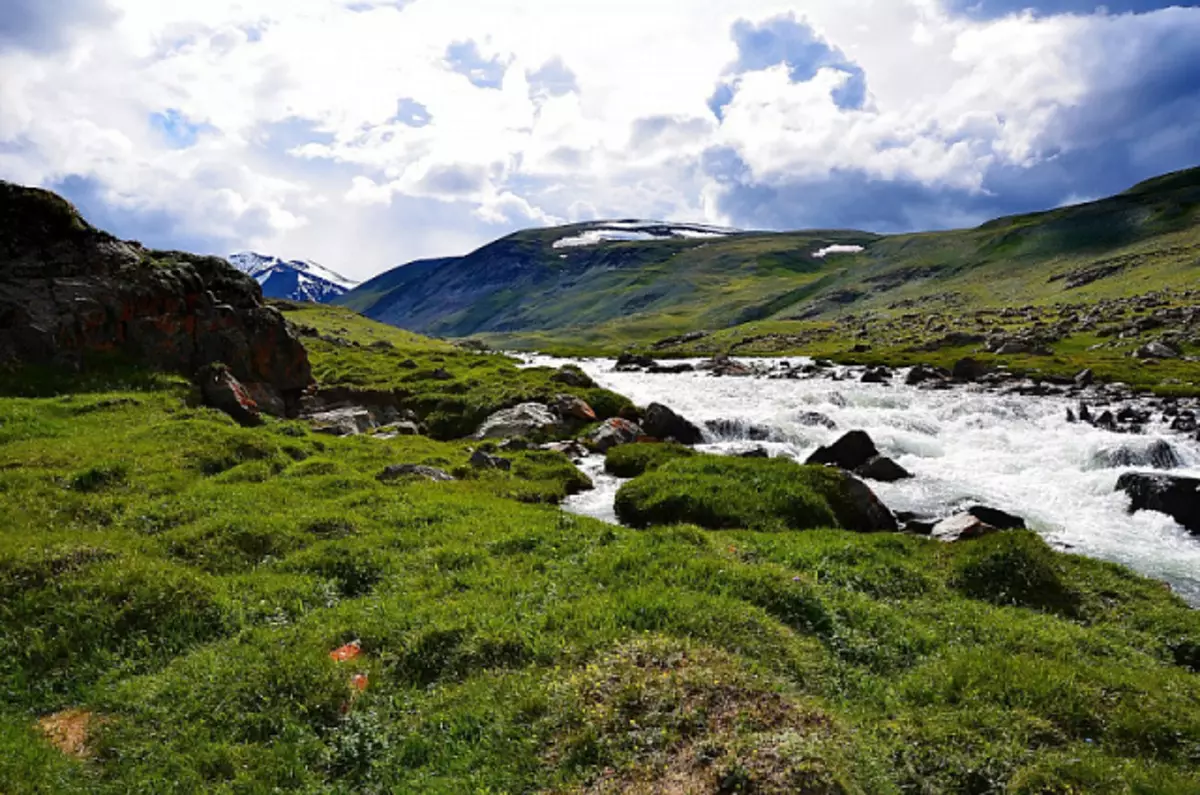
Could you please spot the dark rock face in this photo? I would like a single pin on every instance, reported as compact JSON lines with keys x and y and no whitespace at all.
{"x":1177,"y":497}
{"x":993,"y":517}
{"x":868,"y":514}
{"x":69,"y":291}
{"x":219,"y":389}
{"x":882,"y":469}
{"x":969,"y":369}
{"x":814,"y":419}
{"x":850,"y":452}
{"x":923,"y":372}
{"x":663,"y":423}
{"x":737,"y":429}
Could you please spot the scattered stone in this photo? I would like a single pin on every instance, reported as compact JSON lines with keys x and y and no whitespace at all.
{"x":757,"y":452}
{"x":1177,"y":497}
{"x":1157,"y":350}
{"x":483,"y":460}
{"x":526,"y":419}
{"x":962,"y":527}
{"x":969,"y":369}
{"x":663,"y":423}
{"x":1158,"y":454}
{"x":398,"y":429}
{"x":924,"y":372}
{"x":815,"y":419}
{"x":1085,"y":379}
{"x":220,"y":390}
{"x":571,"y":449}
{"x":614,"y":432}
{"x":573,"y":376}
{"x":670,"y":369}
{"x":570,"y":407}
{"x":350,"y":421}
{"x":634,"y":361}
{"x":394,"y":473}
{"x":882,"y":469}
{"x":849,"y":452}
{"x":869,"y":514}
{"x":997,"y":518}
{"x":876,"y":375}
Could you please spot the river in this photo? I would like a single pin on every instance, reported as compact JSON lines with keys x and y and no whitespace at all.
{"x":964,"y":445}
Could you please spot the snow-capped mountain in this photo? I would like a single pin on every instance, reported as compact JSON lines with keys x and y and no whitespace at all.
{"x":295,"y":280}
{"x":632,"y":230}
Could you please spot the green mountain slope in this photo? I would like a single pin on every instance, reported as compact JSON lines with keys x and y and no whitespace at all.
{"x":522,"y":289}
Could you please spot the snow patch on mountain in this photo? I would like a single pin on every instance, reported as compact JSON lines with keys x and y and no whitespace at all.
{"x":293,"y":280}
{"x":825,"y":252}
{"x":627,"y":231}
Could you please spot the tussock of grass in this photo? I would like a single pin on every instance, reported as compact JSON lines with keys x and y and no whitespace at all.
{"x":632,"y":460}
{"x":718,"y":492}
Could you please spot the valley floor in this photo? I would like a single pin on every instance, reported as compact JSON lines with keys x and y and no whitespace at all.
{"x":172,"y":587}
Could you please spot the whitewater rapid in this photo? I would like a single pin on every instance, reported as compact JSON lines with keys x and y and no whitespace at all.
{"x":965,"y":445}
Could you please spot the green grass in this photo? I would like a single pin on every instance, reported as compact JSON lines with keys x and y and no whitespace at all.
{"x":183,"y":580}
{"x":719,"y":492}
{"x":632,"y":460}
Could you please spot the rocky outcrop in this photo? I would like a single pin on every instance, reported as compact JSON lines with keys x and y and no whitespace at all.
{"x":882,"y":469}
{"x":865,"y":512}
{"x":527,"y":419}
{"x":613,"y":433}
{"x":1177,"y":497}
{"x":70,"y":293}
{"x":849,"y":452}
{"x":1158,"y":454}
{"x":484,"y":460}
{"x":663,"y":423}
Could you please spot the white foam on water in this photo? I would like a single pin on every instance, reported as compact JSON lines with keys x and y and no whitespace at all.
{"x":965,"y":445}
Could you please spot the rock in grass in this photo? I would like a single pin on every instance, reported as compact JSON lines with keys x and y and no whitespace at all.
{"x":571,"y":375}
{"x":483,"y":460}
{"x":614,"y":432}
{"x":527,"y":419}
{"x":220,"y":390}
{"x":962,"y":527}
{"x":343,"y":422}
{"x":882,"y":469}
{"x":1177,"y":497}
{"x":573,"y":409}
{"x":774,"y":494}
{"x":997,"y":518}
{"x":399,"y":471}
{"x":850,"y":452}
{"x":663,"y":423}
{"x":1157,"y":350}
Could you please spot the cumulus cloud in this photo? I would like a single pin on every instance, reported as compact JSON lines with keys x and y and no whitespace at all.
{"x":362,"y":133}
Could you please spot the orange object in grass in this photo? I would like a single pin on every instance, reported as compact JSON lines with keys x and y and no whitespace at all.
{"x":359,"y":682}
{"x":347,"y":652}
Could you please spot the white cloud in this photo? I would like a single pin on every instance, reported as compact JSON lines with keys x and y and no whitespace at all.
{"x":616,"y":121}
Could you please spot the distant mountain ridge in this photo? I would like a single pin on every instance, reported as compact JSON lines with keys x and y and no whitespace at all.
{"x":614,"y":282}
{"x":293,"y":280}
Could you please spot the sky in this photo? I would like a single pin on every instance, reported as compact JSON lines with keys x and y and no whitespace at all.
{"x":367,"y":133}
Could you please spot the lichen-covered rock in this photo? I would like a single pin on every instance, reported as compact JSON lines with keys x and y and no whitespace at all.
{"x":663,"y":423}
{"x":614,"y":432}
{"x":69,"y":291}
{"x":399,"y":471}
{"x":220,"y":390}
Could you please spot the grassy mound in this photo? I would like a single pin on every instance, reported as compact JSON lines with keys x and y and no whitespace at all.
{"x":719,"y":492}
{"x":632,"y":460}
{"x":172,"y":586}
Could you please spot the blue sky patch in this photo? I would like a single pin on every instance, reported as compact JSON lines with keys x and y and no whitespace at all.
{"x":176,"y":129}
{"x":993,"y":9}
{"x":464,"y":58}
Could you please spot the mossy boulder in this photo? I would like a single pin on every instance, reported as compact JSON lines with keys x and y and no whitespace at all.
{"x":776,"y":494}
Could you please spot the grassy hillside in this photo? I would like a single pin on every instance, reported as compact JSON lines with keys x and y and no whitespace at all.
{"x":172,"y":587}
{"x":521,"y":291}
